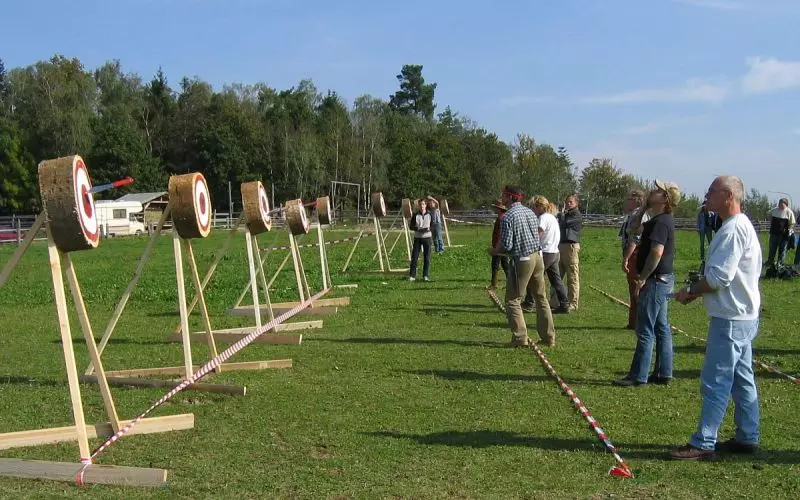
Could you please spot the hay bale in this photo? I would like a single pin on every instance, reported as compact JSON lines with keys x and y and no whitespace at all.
{"x":256,"y":207}
{"x":378,"y":205}
{"x":190,"y":204}
{"x":324,"y":211}
{"x":296,"y":217}
{"x":408,"y":211}
{"x":66,"y":196}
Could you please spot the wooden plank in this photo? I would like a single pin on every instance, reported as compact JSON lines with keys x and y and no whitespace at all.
{"x":348,"y":285}
{"x":263,"y":281}
{"x":66,"y":344}
{"x":102,"y":430}
{"x":308,"y":311}
{"x":234,"y":390}
{"x":229,"y":335}
{"x":277,"y":272}
{"x":146,"y":372}
{"x":93,"y":474}
{"x":187,"y":346}
{"x":251,"y":268}
{"x":352,"y":251}
{"x":295,"y":262}
{"x":212,"y":347}
{"x":258,"y":365}
{"x":329,"y":302}
{"x":22,"y":248}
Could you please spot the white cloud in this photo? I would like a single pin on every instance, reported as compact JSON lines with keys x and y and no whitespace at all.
{"x":770,"y":75}
{"x":658,"y":125}
{"x":521,"y":100}
{"x":715,"y":4}
{"x":694,"y":90}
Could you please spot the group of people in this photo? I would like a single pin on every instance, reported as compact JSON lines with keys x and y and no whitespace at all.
{"x":729,"y":287}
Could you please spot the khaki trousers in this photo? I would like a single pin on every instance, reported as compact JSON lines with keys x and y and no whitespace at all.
{"x":523,"y":277}
{"x":570,"y":270}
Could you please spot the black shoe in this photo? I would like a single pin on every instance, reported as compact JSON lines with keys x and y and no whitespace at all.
{"x":627,"y":382}
{"x":689,"y":452}
{"x":655,"y":379}
{"x":560,"y":310}
{"x":734,"y":446}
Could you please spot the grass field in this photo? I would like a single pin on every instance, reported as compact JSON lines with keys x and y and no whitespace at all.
{"x":407,"y":393}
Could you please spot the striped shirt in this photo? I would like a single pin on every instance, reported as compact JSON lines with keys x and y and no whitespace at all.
{"x":519,"y":234}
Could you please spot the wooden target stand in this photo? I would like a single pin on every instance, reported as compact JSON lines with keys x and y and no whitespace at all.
{"x":69,"y":218}
{"x":445,"y":209}
{"x":256,"y":216}
{"x":298,"y":226}
{"x":190,"y":209}
{"x":378,"y":213}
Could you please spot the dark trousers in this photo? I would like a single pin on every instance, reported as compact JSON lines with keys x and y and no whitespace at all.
{"x":553,"y":273}
{"x":706,"y":236}
{"x":777,"y":244}
{"x":425,"y":244}
{"x":499,"y":261}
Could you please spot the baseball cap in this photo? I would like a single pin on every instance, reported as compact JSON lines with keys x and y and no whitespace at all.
{"x":672,"y":190}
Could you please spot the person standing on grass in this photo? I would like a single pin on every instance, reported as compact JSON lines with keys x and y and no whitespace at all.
{"x":549,"y":236}
{"x":630,"y":233}
{"x":781,"y":227}
{"x":655,"y":273}
{"x":571,"y":222}
{"x":732,"y":300}
{"x":706,"y":225}
{"x":436,"y":224}
{"x":421,"y":224}
{"x":498,"y":261}
{"x":519,"y":239}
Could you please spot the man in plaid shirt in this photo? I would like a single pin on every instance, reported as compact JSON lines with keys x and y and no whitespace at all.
{"x":519,"y":239}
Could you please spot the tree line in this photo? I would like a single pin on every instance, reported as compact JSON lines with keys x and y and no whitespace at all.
{"x":295,"y":140}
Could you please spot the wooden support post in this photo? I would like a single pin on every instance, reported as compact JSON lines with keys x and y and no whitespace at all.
{"x":88,"y":336}
{"x":408,"y":239}
{"x":322,"y":261}
{"x":247,"y":287}
{"x":253,"y":283}
{"x":278,"y":271}
{"x":352,"y":251}
{"x":388,"y":252}
{"x":262,"y":278}
{"x":212,"y":348}
{"x":302,"y":271}
{"x":26,"y":242}
{"x":446,"y":232}
{"x":378,"y":240}
{"x":112,"y":323}
{"x":66,"y":344}
{"x":93,"y":474}
{"x":187,"y":347}
{"x":295,"y":261}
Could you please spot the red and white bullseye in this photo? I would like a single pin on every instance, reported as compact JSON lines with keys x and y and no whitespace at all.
{"x":84,"y":201}
{"x":202,"y":203}
{"x":263,"y":205}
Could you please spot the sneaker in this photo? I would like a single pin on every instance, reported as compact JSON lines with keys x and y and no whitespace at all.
{"x":689,"y":452}
{"x":425,"y":278}
{"x":519,"y":342}
{"x":655,"y":379}
{"x":411,"y":278}
{"x":560,"y":310}
{"x":734,"y":446}
{"x":627,"y":382}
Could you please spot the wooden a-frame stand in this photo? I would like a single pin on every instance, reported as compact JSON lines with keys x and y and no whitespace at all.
{"x":382,"y":252}
{"x":134,"y":377}
{"x":320,"y":307}
{"x":257,"y":278}
{"x":80,"y":432}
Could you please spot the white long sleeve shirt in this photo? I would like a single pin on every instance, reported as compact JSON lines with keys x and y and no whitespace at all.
{"x":733,"y":269}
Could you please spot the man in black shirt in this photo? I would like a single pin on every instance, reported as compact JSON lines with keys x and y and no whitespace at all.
{"x":655,"y":271}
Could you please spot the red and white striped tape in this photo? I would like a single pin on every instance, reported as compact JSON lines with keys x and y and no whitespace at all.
{"x":309,"y":245}
{"x":468,"y":222}
{"x":621,"y":469}
{"x":202,"y":372}
{"x":757,"y":361}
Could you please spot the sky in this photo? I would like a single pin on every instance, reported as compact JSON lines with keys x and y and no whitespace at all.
{"x":676,"y":89}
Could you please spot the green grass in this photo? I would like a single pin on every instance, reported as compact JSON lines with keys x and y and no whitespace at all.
{"x":406,"y":393}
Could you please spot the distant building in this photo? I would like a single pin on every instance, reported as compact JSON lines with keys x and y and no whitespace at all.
{"x":153,"y":204}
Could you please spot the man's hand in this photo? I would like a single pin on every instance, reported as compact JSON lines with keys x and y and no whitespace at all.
{"x":625,"y":267}
{"x":684,"y":296}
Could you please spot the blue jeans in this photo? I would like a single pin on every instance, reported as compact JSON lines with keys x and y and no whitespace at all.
{"x":652,"y":324}
{"x":728,"y":371}
{"x":438,"y":243}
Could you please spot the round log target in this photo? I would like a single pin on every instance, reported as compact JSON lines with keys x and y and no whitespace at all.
{"x":67,"y":197}
{"x":445,"y":207}
{"x":378,"y":205}
{"x":256,"y":207}
{"x":296,"y":217}
{"x":190,"y":204}
{"x":408,"y":211}
{"x":324,"y":212}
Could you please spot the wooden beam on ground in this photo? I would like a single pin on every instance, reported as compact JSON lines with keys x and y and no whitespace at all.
{"x":233,"y":390}
{"x":350,"y":285}
{"x":308,"y":311}
{"x":257,"y":365}
{"x":236,"y":334}
{"x":103,"y":430}
{"x":93,"y":474}
{"x":146,"y":372}
{"x":331,"y":302}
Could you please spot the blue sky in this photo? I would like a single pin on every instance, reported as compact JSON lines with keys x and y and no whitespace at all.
{"x":679,"y":89}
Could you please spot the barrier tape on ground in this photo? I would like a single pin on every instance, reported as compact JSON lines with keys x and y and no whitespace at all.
{"x":621,"y":469}
{"x":757,"y":361}
{"x":468,"y":222}
{"x":309,"y":245}
{"x":203,"y":371}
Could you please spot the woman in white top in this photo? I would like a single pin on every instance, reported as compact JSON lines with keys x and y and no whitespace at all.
{"x":549,"y":237}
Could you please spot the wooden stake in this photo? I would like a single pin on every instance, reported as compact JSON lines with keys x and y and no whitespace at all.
{"x":88,"y":336}
{"x":302,"y":271}
{"x":22,"y":248}
{"x":199,"y":293}
{"x":295,"y":259}
{"x":187,"y":347}
{"x":446,"y":232}
{"x":355,"y":245}
{"x":264,"y":287}
{"x":378,"y":240}
{"x":112,"y":323}
{"x":408,"y":240}
{"x":322,"y":263}
{"x":278,"y":271}
{"x":253,"y":283}
{"x":66,"y":344}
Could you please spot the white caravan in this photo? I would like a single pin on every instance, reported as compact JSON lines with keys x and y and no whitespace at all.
{"x":119,"y":218}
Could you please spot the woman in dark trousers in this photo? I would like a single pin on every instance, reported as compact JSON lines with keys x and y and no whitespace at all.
{"x":498,"y":261}
{"x":421,"y":224}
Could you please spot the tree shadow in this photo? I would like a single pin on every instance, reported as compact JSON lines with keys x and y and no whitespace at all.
{"x":395,"y":340}
{"x":467,"y":375}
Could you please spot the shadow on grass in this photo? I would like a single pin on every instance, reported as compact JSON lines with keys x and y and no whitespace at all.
{"x":615,"y":327}
{"x":448,"y":308}
{"x":395,"y":340}
{"x":465,"y":307}
{"x":17,"y":380}
{"x":466,"y":375}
